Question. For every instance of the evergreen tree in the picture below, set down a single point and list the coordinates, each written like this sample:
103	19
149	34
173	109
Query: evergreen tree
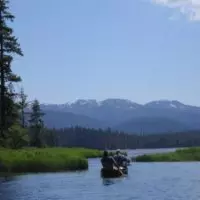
11	111
9	46
51	137
36	125
22	105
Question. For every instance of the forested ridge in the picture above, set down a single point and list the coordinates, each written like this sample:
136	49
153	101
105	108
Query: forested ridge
108	139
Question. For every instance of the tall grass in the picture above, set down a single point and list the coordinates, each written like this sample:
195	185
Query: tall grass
45	160
180	155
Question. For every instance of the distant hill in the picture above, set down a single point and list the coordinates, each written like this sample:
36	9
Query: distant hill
148	125
58	119
157	116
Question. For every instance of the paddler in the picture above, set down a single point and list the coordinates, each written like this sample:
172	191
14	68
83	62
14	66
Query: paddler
121	159
108	162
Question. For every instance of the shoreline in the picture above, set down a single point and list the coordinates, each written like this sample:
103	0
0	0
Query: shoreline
189	154
44	160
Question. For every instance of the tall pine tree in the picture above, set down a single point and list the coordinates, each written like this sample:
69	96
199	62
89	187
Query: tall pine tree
36	125
9	47
22	106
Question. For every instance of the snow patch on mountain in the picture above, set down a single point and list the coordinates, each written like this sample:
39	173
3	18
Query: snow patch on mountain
173	105
122	104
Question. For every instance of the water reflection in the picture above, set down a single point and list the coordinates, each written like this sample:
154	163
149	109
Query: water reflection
111	181
7	178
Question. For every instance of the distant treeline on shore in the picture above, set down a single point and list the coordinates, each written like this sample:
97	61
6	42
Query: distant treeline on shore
107	139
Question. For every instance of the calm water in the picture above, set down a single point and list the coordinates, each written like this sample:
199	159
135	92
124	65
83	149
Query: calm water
146	181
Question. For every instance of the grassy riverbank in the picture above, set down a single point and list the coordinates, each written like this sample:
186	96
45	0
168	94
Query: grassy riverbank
45	160
181	155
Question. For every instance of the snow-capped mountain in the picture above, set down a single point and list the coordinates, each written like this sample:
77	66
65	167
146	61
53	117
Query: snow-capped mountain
118	112
165	104
92	103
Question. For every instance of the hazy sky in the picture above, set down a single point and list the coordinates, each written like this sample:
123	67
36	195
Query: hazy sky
140	50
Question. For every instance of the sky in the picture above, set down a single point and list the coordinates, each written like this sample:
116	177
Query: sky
141	50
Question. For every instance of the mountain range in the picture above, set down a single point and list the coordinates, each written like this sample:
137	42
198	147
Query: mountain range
124	115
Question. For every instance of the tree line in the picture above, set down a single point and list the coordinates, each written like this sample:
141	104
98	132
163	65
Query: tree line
107	139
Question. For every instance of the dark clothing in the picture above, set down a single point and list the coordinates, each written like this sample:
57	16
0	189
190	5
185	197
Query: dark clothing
121	160
108	162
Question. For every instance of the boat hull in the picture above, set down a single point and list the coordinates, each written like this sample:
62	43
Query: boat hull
105	173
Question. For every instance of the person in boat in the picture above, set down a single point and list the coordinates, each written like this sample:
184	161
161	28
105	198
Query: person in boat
108	162
121	159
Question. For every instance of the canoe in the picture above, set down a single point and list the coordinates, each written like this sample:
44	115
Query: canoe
107	173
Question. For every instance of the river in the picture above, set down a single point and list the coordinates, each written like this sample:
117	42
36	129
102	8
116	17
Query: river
146	181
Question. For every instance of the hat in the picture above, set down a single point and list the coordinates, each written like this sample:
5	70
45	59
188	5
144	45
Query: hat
118	151
105	153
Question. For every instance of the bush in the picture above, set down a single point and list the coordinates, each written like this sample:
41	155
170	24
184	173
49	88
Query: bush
17	137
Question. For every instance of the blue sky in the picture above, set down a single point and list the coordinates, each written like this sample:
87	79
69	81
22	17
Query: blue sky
140	50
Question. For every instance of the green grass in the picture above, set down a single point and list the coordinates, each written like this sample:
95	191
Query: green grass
45	160
181	155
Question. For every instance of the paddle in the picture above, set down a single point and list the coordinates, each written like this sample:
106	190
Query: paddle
118	167
120	171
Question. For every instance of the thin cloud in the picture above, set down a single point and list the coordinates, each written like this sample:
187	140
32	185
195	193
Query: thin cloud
190	8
